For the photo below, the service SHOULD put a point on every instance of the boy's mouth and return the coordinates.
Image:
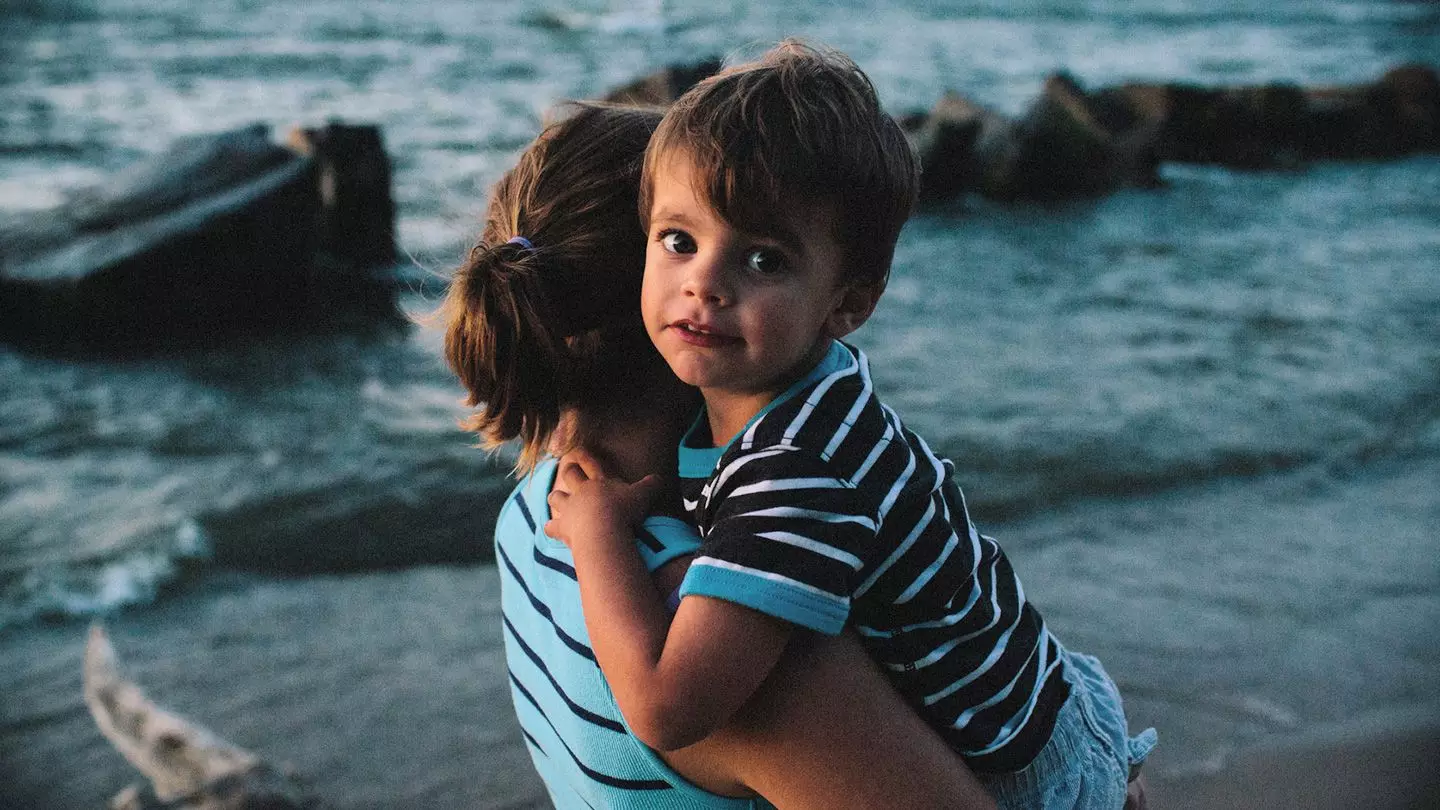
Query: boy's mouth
(698, 335)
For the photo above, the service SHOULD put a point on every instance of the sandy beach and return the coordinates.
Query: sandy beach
(384, 690)
(1203, 419)
(387, 690)
(1374, 763)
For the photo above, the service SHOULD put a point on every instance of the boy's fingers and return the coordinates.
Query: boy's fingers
(556, 500)
(648, 488)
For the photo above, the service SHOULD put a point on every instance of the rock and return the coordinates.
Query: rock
(1397, 115)
(1061, 148)
(356, 222)
(217, 234)
(1071, 143)
(1258, 127)
(1066, 150)
(944, 141)
(193, 169)
(1282, 125)
(665, 85)
(1415, 92)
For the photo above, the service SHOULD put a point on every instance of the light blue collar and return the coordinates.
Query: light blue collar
(698, 458)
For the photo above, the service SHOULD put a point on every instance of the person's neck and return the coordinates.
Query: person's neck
(628, 448)
(729, 411)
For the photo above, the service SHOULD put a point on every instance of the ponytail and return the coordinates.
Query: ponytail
(499, 343)
(544, 313)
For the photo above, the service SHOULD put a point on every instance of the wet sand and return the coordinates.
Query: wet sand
(384, 690)
(1387, 762)
(388, 690)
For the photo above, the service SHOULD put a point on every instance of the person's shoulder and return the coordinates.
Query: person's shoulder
(526, 502)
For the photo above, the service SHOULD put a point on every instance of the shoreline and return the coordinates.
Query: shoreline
(388, 689)
(1386, 761)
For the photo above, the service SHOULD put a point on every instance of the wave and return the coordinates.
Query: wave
(1036, 477)
(430, 516)
(646, 20)
(50, 11)
(98, 587)
(434, 516)
(1173, 15)
(1048, 480)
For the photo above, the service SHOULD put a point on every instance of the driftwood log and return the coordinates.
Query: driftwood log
(188, 767)
(218, 233)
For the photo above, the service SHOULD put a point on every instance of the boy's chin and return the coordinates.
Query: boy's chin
(689, 370)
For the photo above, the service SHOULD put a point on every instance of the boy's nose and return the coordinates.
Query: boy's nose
(705, 280)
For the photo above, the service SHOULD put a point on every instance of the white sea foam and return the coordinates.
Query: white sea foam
(96, 589)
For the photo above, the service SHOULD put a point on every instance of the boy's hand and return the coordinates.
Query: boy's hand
(588, 506)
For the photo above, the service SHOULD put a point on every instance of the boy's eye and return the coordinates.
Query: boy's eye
(766, 262)
(676, 241)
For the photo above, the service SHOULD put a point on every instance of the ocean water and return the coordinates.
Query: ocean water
(1204, 419)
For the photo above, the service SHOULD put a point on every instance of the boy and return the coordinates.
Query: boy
(773, 196)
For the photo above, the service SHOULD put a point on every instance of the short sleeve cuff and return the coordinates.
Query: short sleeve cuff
(662, 539)
(770, 594)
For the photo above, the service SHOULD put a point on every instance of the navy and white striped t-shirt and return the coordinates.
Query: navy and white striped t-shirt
(826, 511)
(572, 725)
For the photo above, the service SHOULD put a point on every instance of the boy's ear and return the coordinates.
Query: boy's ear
(853, 308)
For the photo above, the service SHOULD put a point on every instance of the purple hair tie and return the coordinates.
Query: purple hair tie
(522, 242)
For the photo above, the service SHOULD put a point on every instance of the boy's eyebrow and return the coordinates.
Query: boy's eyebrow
(666, 215)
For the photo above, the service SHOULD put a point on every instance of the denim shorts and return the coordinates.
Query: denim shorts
(1086, 764)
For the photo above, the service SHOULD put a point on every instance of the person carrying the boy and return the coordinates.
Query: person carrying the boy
(773, 195)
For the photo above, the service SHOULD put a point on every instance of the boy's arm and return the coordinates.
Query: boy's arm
(673, 684)
(827, 731)
(806, 739)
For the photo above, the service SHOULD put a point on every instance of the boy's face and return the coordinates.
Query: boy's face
(739, 314)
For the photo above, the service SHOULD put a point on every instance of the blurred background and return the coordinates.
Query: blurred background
(1203, 419)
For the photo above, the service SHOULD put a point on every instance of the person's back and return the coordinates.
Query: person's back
(572, 726)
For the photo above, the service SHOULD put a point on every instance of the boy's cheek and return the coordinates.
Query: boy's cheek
(653, 293)
(655, 255)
